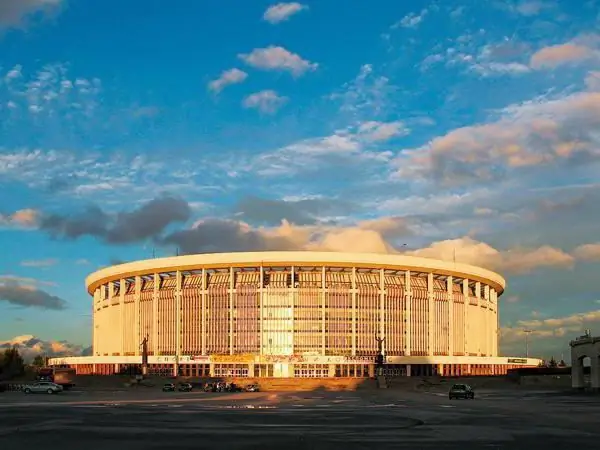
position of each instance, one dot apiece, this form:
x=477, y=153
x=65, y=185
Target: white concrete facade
x=581, y=348
x=297, y=303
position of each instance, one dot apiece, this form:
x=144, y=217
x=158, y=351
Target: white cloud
x=592, y=81
x=533, y=7
x=30, y=346
x=24, y=281
x=100, y=176
x=496, y=68
x=367, y=96
x=14, y=12
x=557, y=55
x=312, y=154
x=282, y=11
x=536, y=133
x=377, y=235
x=227, y=78
x=588, y=252
x=40, y=263
x=265, y=101
x=516, y=260
x=278, y=58
x=411, y=20
x=51, y=92
x=382, y=131
x=23, y=218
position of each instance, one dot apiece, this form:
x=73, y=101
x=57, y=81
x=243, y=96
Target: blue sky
x=467, y=128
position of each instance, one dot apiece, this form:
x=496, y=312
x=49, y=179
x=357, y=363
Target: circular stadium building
x=295, y=314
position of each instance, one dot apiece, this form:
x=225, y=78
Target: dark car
x=185, y=387
x=168, y=387
x=461, y=391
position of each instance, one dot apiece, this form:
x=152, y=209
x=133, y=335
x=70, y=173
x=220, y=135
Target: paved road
x=315, y=420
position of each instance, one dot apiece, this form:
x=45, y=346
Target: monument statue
x=379, y=359
x=145, y=355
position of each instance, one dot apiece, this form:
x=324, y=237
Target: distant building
x=583, y=347
x=296, y=314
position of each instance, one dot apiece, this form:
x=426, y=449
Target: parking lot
x=383, y=419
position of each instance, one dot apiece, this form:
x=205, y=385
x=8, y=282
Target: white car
x=42, y=387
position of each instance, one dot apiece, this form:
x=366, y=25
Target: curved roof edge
x=336, y=259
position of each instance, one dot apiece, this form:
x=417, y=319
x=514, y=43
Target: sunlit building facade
x=295, y=314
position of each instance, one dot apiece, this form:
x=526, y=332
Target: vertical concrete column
x=203, y=313
x=354, y=311
x=407, y=313
x=323, y=309
x=178, y=315
x=294, y=292
x=493, y=312
x=331, y=370
x=431, y=315
x=111, y=338
x=465, y=330
x=231, y=292
x=477, y=318
x=136, y=313
x=595, y=370
x=488, y=323
x=450, y=289
x=261, y=306
x=95, y=322
x=577, y=381
x=155, y=322
x=382, y=294
x=122, y=290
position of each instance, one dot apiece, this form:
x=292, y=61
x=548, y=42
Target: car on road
x=185, y=387
x=252, y=388
x=168, y=387
x=461, y=391
x=42, y=387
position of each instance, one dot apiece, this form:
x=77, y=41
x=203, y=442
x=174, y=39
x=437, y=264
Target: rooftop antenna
x=177, y=251
x=153, y=252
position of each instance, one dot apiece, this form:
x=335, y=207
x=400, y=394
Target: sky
x=467, y=129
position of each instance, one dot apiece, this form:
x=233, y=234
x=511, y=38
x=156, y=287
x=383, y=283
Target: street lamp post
x=527, y=333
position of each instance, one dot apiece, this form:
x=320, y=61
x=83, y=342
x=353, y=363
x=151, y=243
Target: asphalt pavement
x=381, y=419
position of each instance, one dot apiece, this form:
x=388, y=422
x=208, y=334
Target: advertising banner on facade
x=312, y=359
x=164, y=359
x=232, y=359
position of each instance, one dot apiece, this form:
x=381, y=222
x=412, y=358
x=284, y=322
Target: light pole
x=527, y=332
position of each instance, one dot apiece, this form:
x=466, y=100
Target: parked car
x=42, y=387
x=461, y=391
x=252, y=388
x=185, y=387
x=232, y=387
x=168, y=387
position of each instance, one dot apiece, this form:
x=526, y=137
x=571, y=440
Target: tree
x=12, y=363
x=552, y=362
x=39, y=361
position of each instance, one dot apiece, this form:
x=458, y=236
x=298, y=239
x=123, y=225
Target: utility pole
x=527, y=332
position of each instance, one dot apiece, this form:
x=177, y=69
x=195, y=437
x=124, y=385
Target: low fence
x=11, y=387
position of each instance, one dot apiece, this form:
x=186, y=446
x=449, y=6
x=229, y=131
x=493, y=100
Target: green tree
x=552, y=362
x=39, y=361
x=12, y=363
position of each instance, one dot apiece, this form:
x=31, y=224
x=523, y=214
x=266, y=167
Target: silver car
x=42, y=387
